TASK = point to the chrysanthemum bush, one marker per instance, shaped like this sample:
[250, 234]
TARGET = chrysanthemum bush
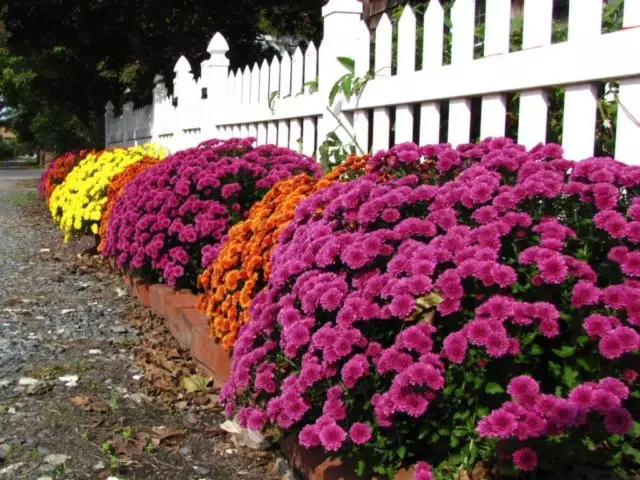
[57, 170]
[116, 188]
[485, 308]
[244, 262]
[170, 220]
[77, 204]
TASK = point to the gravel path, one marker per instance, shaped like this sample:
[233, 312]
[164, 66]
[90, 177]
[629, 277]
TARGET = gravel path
[89, 380]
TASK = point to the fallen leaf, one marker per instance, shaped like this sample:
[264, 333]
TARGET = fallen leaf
[81, 401]
[94, 425]
[191, 419]
[174, 353]
[167, 435]
[90, 404]
[195, 383]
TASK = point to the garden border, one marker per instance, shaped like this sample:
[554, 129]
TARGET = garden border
[190, 328]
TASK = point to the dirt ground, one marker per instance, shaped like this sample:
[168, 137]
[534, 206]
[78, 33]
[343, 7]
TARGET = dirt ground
[92, 385]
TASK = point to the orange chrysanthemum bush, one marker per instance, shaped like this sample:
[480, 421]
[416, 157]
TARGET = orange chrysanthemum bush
[57, 170]
[243, 266]
[117, 187]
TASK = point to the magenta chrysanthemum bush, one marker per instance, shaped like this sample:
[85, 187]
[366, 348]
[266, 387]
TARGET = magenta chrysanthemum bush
[491, 298]
[170, 220]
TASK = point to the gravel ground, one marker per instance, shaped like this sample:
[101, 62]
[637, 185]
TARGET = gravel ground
[90, 382]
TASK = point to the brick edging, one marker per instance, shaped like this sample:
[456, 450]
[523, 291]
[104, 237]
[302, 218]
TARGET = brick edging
[191, 329]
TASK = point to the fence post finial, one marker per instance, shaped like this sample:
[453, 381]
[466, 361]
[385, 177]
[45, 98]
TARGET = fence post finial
[108, 121]
[213, 80]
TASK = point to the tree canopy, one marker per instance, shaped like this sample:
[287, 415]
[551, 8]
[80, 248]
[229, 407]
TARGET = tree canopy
[62, 60]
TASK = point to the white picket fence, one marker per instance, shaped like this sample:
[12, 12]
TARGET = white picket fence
[285, 101]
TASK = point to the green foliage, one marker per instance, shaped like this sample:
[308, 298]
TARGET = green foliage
[60, 62]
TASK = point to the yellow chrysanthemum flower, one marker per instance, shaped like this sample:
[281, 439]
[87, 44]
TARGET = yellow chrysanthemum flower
[76, 205]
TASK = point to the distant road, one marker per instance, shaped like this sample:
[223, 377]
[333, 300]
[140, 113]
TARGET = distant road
[10, 174]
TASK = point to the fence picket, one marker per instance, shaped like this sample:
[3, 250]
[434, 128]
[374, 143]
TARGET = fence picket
[274, 78]
[581, 101]
[272, 133]
[496, 42]
[361, 119]
[283, 133]
[406, 65]
[238, 87]
[462, 26]
[433, 36]
[295, 134]
[261, 133]
[246, 86]
[628, 122]
[384, 46]
[264, 82]
[429, 123]
[383, 59]
[297, 72]
[431, 60]
[308, 136]
[310, 66]
[255, 85]
[537, 29]
[285, 76]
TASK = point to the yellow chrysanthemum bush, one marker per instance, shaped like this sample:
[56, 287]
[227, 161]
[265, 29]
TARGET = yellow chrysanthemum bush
[78, 203]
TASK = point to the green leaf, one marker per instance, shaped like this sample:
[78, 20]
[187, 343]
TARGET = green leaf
[334, 91]
[272, 97]
[346, 86]
[402, 451]
[312, 85]
[348, 63]
[569, 376]
[493, 388]
[565, 351]
[536, 350]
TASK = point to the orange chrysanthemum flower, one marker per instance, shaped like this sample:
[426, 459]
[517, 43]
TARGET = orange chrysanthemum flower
[243, 265]
[116, 188]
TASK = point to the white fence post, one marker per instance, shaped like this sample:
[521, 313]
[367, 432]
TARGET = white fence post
[108, 121]
[341, 22]
[157, 118]
[128, 127]
[215, 71]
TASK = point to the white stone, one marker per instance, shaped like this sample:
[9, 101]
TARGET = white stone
[67, 310]
[70, 380]
[95, 351]
[26, 381]
[11, 469]
[57, 459]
